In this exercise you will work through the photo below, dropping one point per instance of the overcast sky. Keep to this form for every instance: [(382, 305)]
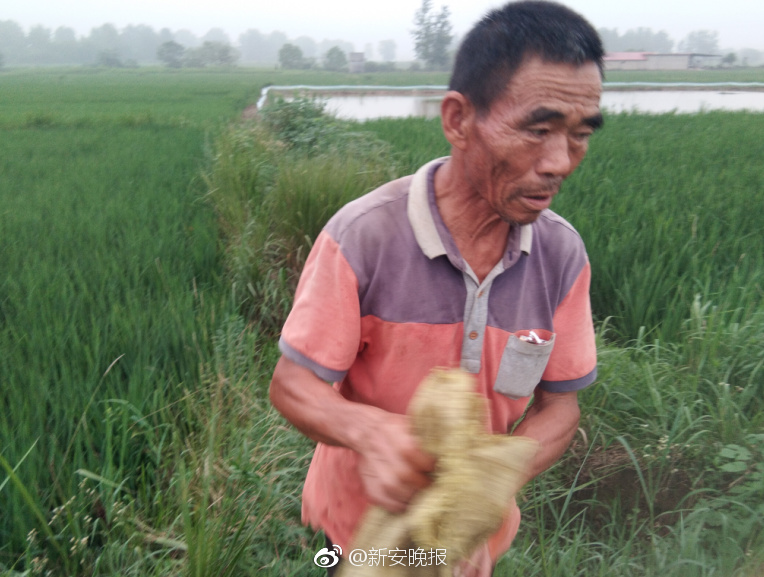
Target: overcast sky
[(740, 23)]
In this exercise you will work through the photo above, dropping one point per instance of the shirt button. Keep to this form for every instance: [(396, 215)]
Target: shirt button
[(480, 294), (473, 335)]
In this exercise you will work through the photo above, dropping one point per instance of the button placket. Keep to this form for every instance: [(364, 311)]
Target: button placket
[(475, 317)]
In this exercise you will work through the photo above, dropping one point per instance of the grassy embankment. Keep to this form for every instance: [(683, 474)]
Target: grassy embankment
[(167, 460)]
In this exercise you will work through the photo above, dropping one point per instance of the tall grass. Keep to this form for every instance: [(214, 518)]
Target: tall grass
[(87, 96), (135, 441), (140, 294), (274, 184), (105, 257), (669, 208)]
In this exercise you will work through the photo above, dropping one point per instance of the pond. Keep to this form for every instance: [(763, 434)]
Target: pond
[(681, 101), (381, 102)]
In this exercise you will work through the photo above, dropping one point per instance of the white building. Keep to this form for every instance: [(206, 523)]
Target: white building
[(656, 61), (357, 62)]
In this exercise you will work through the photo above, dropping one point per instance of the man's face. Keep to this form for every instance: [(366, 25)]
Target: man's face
[(534, 135)]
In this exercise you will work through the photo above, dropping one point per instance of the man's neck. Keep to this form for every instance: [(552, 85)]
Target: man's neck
[(479, 233)]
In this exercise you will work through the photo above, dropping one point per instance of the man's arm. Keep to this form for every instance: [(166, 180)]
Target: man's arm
[(392, 466), (552, 420)]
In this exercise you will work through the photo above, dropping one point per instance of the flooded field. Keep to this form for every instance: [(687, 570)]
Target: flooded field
[(402, 104)]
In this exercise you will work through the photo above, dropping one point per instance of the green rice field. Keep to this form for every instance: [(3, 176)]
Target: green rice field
[(150, 240)]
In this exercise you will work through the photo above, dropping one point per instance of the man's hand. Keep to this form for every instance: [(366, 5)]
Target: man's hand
[(392, 465), (478, 565)]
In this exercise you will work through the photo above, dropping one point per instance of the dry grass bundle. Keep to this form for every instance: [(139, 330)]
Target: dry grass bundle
[(476, 478)]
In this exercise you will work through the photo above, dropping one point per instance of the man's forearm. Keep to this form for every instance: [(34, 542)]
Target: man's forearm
[(391, 464), (316, 409), (552, 420)]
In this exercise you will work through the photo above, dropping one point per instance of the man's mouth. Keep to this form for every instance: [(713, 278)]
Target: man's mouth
[(538, 201)]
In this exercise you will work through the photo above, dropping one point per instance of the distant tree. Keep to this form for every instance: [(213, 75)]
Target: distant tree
[(729, 58), (165, 35), (64, 35), (186, 38), (371, 66), (139, 42), (171, 54), (105, 37), (441, 39), (194, 58), (335, 59), (701, 42), (216, 35), (12, 41), (273, 43), (109, 59), (432, 35), (645, 40), (751, 57), (290, 57), (210, 54), (636, 40), (326, 44), (39, 45), (65, 46), (261, 48), (610, 39), (252, 45), (387, 50), (219, 54), (308, 46), (663, 43), (2, 60)]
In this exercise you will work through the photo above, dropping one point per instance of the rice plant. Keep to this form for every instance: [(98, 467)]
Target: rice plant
[(150, 245)]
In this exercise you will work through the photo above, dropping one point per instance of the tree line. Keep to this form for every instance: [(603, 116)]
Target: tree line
[(139, 44), (434, 46), (696, 42)]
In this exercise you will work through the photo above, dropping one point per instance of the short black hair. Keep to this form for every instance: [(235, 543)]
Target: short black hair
[(498, 44)]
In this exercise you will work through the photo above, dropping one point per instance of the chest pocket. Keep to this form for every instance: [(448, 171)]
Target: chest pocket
[(522, 364)]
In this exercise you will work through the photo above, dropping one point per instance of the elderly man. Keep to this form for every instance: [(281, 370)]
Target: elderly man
[(460, 265)]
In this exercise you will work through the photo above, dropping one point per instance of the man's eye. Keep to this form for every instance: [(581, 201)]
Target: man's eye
[(539, 131), (582, 136)]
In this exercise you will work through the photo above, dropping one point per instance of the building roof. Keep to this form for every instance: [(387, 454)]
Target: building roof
[(641, 56), (626, 56)]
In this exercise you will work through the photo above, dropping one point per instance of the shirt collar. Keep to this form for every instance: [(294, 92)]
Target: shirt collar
[(420, 208)]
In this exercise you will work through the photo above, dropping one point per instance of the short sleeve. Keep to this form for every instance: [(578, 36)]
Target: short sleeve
[(573, 362), (323, 330)]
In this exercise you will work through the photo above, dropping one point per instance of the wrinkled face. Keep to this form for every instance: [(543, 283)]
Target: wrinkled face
[(534, 135)]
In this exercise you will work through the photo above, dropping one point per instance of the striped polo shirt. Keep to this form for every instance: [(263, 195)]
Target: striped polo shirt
[(385, 296)]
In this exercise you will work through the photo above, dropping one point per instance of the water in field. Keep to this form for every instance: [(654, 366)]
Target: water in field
[(365, 107), (682, 101), (360, 107)]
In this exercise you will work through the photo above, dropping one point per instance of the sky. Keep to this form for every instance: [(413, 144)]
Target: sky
[(740, 23)]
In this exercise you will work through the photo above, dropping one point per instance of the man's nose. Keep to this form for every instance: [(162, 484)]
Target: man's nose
[(556, 157)]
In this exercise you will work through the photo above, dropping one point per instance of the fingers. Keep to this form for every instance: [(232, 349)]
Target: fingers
[(393, 467), (479, 564)]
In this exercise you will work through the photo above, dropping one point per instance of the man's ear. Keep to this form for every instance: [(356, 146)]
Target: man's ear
[(457, 116)]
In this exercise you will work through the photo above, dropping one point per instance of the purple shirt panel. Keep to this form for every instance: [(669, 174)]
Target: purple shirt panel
[(539, 282), (397, 282)]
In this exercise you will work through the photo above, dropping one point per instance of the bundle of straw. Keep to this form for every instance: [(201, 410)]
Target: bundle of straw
[(475, 480)]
